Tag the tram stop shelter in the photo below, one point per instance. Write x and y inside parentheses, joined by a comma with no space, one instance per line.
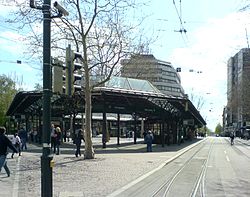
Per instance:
(171,118)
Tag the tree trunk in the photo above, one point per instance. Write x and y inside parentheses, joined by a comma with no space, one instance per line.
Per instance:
(89,151)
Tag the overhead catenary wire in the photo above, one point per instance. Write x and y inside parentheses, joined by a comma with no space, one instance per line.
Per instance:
(19,62)
(180,10)
(7,27)
(12,40)
(182,28)
(178,14)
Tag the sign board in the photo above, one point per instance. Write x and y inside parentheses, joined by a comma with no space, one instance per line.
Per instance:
(188,122)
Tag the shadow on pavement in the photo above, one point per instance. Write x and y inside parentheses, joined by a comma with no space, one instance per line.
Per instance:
(127,147)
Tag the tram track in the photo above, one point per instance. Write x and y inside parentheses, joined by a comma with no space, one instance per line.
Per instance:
(164,188)
(200,184)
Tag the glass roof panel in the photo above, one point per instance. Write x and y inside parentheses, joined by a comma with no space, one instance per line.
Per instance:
(131,84)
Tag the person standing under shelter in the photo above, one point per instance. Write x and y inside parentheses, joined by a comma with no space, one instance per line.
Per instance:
(4,144)
(22,133)
(35,135)
(149,140)
(52,137)
(57,136)
(68,135)
(78,141)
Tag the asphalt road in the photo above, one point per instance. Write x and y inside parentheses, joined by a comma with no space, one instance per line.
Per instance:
(212,168)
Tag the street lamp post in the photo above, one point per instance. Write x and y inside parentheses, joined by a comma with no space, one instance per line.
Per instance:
(46,158)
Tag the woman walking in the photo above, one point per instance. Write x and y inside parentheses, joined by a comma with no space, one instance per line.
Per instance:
(16,141)
(58,136)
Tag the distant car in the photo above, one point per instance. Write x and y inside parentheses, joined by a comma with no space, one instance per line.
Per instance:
(217,135)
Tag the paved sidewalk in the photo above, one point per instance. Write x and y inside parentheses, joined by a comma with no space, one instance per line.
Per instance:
(113,168)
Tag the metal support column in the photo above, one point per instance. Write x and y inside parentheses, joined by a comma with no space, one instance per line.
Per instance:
(135,130)
(162,133)
(104,128)
(118,129)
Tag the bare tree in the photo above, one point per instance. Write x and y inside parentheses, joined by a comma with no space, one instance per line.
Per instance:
(103,31)
(197,100)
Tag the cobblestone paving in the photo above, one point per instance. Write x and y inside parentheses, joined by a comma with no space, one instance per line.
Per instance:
(111,169)
(97,177)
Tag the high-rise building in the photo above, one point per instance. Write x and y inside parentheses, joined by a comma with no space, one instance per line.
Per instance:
(160,73)
(238,90)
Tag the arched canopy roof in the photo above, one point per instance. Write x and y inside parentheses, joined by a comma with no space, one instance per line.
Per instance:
(120,95)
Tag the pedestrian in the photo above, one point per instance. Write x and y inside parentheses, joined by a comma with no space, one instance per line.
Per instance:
(35,134)
(68,134)
(232,138)
(31,134)
(16,141)
(149,140)
(144,136)
(57,136)
(4,143)
(52,137)
(64,136)
(78,141)
(22,133)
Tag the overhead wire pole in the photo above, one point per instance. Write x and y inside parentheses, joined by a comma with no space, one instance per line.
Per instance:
(46,158)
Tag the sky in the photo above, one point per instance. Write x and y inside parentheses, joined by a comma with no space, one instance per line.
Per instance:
(215,31)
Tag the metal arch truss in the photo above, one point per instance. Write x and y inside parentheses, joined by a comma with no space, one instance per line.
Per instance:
(165,105)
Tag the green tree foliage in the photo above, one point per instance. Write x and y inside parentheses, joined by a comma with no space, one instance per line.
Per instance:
(7,92)
(204,130)
(218,129)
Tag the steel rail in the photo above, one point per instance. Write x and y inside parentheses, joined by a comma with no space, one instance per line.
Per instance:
(200,183)
(168,183)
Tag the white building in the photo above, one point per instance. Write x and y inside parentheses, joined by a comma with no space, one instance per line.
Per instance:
(160,73)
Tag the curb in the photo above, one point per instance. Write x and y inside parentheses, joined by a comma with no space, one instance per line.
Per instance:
(122,189)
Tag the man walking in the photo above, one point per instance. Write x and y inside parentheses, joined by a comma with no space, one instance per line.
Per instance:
(22,133)
(4,143)
(78,141)
(149,140)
